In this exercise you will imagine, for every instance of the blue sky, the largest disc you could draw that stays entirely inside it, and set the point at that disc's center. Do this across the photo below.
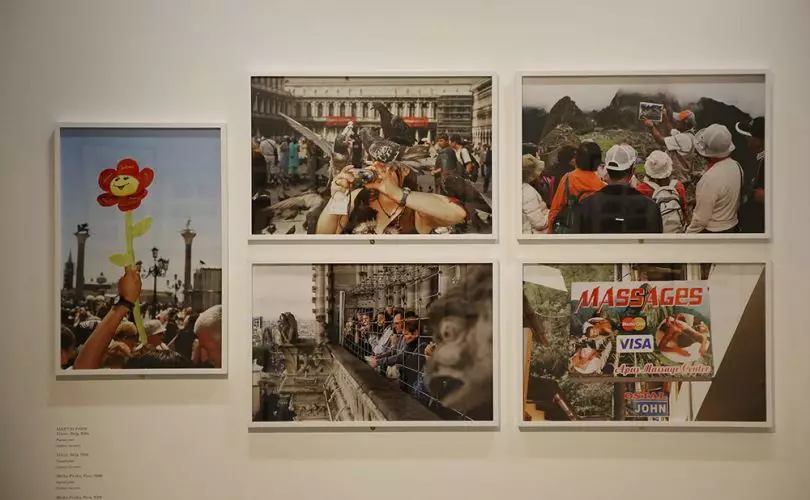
(187, 184)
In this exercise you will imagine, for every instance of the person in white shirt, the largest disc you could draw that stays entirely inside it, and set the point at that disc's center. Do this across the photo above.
(268, 149)
(718, 191)
(535, 210)
(462, 155)
(678, 136)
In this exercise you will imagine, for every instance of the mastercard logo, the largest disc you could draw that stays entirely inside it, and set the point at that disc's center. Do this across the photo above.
(634, 324)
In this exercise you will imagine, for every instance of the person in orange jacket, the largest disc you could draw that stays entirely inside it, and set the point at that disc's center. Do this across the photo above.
(582, 182)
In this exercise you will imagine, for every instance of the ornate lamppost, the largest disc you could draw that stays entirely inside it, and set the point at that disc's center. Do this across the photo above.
(156, 270)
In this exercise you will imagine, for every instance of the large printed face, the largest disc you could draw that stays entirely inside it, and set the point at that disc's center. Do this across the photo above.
(459, 372)
(462, 361)
(123, 185)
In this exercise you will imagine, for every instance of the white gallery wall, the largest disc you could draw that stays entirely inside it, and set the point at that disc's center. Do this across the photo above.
(190, 61)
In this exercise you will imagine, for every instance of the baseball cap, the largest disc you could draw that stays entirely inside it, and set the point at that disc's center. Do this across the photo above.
(683, 116)
(620, 157)
(714, 141)
(658, 165)
(154, 327)
(753, 128)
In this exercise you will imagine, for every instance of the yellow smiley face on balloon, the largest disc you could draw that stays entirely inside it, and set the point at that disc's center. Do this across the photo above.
(123, 185)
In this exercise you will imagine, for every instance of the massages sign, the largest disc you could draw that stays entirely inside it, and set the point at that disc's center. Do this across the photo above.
(654, 330)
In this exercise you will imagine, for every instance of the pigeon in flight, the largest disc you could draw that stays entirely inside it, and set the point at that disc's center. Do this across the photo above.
(393, 126)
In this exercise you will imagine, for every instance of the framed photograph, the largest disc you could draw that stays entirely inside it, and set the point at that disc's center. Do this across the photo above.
(366, 157)
(652, 111)
(367, 346)
(140, 250)
(645, 156)
(667, 346)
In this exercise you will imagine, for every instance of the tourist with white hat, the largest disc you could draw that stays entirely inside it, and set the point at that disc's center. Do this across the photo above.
(718, 191)
(618, 207)
(535, 210)
(668, 194)
(678, 135)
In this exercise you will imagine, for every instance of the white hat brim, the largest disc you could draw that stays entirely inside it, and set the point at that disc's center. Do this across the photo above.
(702, 151)
(741, 131)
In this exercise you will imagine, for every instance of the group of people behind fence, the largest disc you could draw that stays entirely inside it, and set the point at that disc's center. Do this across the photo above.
(393, 343)
(584, 192)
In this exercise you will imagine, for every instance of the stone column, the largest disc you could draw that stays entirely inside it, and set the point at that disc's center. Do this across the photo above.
(81, 237)
(396, 291)
(444, 279)
(188, 235)
(410, 296)
(424, 295)
(319, 289)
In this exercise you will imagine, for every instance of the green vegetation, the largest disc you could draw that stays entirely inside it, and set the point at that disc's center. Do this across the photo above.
(553, 307)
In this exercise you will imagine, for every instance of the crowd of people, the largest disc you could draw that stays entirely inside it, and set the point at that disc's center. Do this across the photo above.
(378, 195)
(288, 160)
(283, 161)
(586, 192)
(102, 333)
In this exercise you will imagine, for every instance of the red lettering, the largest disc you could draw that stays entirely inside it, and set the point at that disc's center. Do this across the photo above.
(586, 301)
(637, 297)
(696, 294)
(666, 297)
(622, 297)
(652, 297)
(681, 296)
(607, 300)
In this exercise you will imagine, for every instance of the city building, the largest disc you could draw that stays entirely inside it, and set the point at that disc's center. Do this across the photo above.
(454, 115)
(482, 112)
(366, 287)
(207, 289)
(258, 322)
(269, 98)
(427, 104)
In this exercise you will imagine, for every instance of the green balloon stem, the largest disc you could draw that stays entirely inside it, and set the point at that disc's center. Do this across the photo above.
(131, 252)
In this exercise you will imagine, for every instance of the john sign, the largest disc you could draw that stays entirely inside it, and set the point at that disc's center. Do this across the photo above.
(636, 331)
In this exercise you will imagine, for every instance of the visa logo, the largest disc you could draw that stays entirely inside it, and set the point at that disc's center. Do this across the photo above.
(635, 343)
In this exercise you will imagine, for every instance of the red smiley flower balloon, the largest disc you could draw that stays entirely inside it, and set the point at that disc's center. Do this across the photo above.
(125, 185)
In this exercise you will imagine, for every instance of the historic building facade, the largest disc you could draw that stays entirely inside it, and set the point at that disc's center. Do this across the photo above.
(482, 112)
(207, 289)
(269, 98)
(428, 105)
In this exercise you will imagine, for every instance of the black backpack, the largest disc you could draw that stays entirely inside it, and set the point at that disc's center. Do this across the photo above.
(564, 222)
(546, 186)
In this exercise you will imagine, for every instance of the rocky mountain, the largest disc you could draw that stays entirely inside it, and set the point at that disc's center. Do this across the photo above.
(708, 111)
(566, 112)
(533, 120)
(618, 122)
